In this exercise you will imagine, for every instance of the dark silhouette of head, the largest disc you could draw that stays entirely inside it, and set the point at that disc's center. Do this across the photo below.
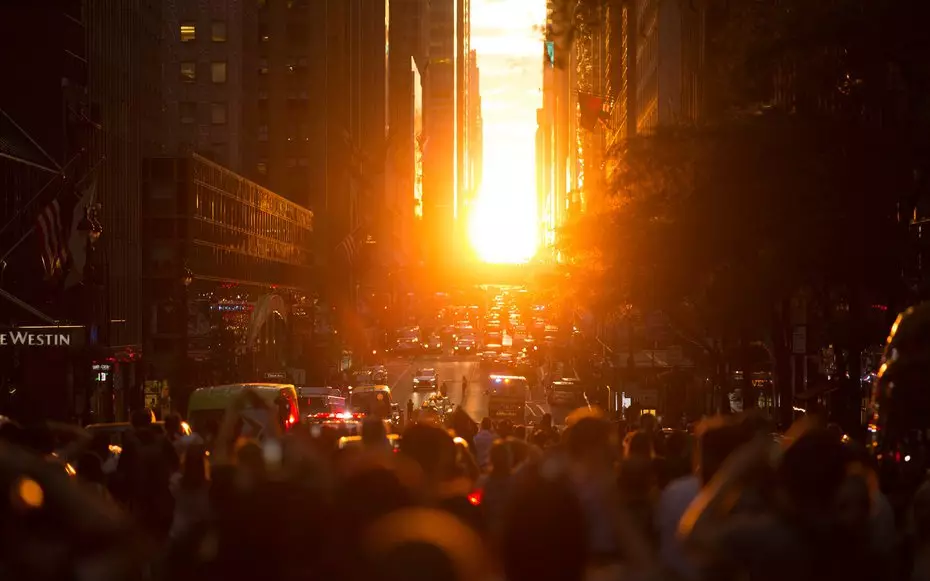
(640, 445)
(141, 419)
(374, 432)
(553, 544)
(545, 422)
(432, 448)
(173, 424)
(501, 457)
(717, 439)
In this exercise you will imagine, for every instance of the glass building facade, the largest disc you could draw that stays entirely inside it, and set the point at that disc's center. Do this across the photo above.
(215, 242)
(225, 228)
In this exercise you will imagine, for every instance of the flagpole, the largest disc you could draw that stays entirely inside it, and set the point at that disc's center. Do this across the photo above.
(33, 228)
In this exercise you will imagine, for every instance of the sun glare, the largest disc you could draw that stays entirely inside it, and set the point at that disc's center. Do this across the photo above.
(503, 226)
(503, 223)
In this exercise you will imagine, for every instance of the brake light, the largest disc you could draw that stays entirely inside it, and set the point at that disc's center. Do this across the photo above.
(358, 416)
(475, 497)
(291, 420)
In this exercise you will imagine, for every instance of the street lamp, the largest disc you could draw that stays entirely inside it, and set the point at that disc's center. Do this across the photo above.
(187, 277)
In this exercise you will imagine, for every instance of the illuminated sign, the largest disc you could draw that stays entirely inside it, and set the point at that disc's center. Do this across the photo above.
(101, 371)
(35, 339)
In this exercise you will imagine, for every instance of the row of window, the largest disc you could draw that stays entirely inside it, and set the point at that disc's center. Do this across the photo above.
(221, 263)
(234, 239)
(216, 184)
(188, 31)
(188, 112)
(226, 212)
(217, 71)
(230, 195)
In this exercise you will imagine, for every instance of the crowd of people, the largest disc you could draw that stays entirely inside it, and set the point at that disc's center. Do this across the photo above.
(596, 500)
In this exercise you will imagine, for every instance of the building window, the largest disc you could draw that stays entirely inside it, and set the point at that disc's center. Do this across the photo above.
(262, 167)
(263, 133)
(291, 162)
(188, 112)
(218, 72)
(303, 162)
(188, 32)
(218, 31)
(218, 113)
(263, 66)
(188, 72)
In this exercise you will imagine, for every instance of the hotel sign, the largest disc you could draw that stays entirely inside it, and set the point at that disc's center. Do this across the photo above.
(39, 337)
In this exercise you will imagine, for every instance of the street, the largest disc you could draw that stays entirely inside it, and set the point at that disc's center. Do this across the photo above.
(450, 370)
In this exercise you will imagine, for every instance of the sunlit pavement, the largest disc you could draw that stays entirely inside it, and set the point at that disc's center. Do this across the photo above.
(450, 371)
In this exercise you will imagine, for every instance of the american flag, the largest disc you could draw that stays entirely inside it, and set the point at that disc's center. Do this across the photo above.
(351, 245)
(52, 239)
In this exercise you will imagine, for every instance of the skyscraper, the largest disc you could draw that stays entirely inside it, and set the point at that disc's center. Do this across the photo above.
(475, 130)
(409, 41)
(440, 179)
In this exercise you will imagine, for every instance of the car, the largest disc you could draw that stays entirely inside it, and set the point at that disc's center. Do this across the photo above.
(318, 404)
(465, 346)
(426, 379)
(433, 344)
(488, 357)
(407, 346)
(379, 374)
(373, 401)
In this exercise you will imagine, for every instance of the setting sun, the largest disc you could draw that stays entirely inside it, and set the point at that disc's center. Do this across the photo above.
(503, 224)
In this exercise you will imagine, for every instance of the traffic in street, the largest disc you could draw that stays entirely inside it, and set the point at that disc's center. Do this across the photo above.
(470, 395)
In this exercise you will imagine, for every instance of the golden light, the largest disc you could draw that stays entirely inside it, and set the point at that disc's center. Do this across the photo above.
(503, 227)
(503, 224)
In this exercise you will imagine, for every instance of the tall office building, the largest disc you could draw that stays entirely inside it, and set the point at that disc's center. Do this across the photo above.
(205, 68)
(440, 179)
(557, 123)
(409, 42)
(669, 50)
(464, 96)
(475, 159)
(71, 137)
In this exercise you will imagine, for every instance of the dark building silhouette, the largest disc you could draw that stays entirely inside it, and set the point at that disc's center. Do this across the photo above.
(73, 133)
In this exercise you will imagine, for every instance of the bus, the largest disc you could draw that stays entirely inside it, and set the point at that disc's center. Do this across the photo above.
(507, 395)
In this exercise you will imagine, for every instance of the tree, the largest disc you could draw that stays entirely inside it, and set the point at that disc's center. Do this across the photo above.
(718, 227)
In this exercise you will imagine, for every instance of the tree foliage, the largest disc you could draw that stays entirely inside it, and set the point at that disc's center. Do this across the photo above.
(717, 225)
